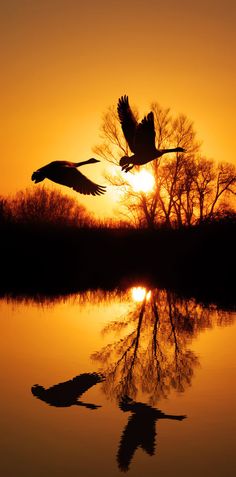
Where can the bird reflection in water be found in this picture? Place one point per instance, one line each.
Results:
(68, 393)
(140, 430)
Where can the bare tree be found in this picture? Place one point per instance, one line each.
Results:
(188, 187)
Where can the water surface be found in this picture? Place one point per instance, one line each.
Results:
(160, 377)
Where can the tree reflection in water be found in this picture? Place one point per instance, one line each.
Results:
(152, 353)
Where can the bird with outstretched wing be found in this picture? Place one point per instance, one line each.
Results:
(67, 393)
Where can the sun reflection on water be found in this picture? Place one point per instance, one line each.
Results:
(139, 293)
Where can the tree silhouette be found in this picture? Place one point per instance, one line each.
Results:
(45, 206)
(188, 187)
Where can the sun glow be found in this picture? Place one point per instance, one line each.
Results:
(143, 181)
(139, 293)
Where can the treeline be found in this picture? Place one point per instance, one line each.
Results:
(42, 207)
(59, 253)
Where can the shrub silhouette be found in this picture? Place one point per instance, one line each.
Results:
(43, 206)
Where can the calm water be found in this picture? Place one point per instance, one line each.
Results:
(160, 380)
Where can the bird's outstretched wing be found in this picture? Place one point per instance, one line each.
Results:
(77, 386)
(145, 136)
(128, 121)
(71, 177)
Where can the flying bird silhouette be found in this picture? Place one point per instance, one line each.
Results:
(139, 136)
(140, 431)
(68, 393)
(66, 173)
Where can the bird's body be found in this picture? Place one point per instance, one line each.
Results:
(66, 173)
(139, 136)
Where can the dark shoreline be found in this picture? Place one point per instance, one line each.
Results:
(196, 262)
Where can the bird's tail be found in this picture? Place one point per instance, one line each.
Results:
(37, 176)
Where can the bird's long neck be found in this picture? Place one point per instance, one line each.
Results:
(165, 151)
(78, 164)
(169, 416)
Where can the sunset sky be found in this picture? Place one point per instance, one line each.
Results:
(63, 62)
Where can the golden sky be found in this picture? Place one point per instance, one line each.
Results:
(63, 62)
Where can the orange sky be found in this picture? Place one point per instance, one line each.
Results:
(63, 62)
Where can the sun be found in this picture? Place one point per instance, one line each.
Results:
(142, 181)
